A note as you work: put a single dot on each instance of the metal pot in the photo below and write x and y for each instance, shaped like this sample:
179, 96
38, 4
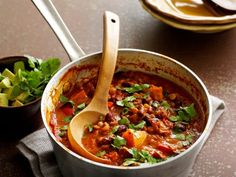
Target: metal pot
74, 165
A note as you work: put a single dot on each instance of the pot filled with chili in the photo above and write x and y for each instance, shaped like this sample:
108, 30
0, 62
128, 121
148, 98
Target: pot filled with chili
159, 112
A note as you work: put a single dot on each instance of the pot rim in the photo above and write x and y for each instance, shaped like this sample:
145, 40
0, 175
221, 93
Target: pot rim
199, 140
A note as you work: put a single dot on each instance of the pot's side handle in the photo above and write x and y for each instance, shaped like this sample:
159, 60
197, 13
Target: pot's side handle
218, 108
49, 12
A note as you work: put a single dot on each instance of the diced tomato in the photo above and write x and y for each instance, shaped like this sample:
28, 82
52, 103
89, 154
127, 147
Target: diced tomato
165, 148
79, 97
158, 154
67, 109
156, 93
109, 104
155, 152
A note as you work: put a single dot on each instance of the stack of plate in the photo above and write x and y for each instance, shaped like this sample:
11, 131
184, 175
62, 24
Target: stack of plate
170, 12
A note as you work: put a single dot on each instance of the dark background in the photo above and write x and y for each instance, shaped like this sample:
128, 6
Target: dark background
211, 56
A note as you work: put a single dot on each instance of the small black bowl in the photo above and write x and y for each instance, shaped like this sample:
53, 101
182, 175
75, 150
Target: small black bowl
18, 120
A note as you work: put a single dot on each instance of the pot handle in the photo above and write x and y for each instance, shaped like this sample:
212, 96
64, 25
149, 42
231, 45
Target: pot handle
49, 12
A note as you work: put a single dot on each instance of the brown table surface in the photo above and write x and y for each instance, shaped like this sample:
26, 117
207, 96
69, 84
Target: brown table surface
211, 56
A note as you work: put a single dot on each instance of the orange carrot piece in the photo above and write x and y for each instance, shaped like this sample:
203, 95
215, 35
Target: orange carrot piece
156, 93
129, 137
79, 97
134, 138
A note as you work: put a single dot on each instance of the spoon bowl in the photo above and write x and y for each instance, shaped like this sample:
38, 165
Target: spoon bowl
98, 105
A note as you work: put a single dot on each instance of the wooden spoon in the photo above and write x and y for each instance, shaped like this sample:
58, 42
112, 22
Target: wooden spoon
98, 105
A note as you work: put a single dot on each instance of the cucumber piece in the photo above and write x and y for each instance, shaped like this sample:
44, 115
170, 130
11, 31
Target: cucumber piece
7, 90
17, 103
3, 99
5, 83
1, 77
9, 74
23, 96
19, 65
12, 92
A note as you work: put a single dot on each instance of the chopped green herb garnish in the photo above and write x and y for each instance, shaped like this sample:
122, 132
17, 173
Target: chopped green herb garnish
63, 99
136, 88
190, 110
165, 104
127, 102
118, 142
100, 153
64, 128
130, 161
175, 118
178, 127
138, 157
26, 85
146, 156
90, 128
81, 106
186, 139
146, 95
125, 111
67, 119
138, 126
179, 136
189, 138
62, 133
124, 121
185, 114
115, 128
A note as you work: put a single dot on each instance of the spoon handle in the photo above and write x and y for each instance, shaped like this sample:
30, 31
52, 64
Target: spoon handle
109, 56
49, 12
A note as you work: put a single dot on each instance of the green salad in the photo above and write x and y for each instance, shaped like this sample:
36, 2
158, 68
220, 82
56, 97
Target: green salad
26, 82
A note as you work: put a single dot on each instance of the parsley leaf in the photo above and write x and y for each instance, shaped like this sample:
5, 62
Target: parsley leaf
81, 106
138, 157
185, 114
138, 126
136, 88
124, 121
115, 129
63, 99
190, 110
67, 119
50, 66
118, 142
165, 104
179, 136
100, 153
127, 102
64, 128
